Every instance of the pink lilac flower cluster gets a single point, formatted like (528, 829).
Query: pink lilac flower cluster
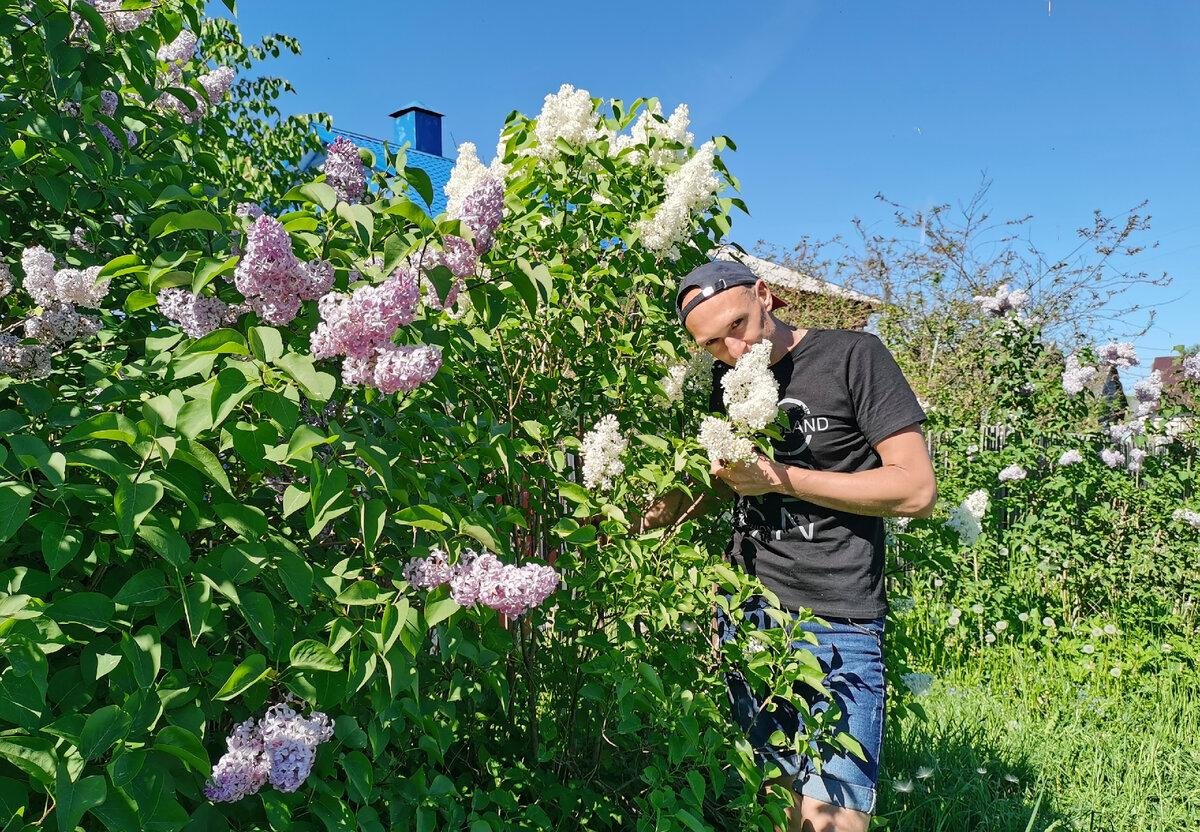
(6, 280)
(272, 279)
(429, 572)
(482, 211)
(360, 326)
(217, 83)
(1191, 367)
(1118, 354)
(427, 261)
(481, 578)
(403, 368)
(23, 360)
(108, 102)
(249, 210)
(1076, 376)
(1134, 459)
(344, 170)
(1112, 457)
(57, 291)
(114, 17)
(1186, 515)
(1070, 457)
(1147, 392)
(180, 50)
(197, 315)
(279, 749)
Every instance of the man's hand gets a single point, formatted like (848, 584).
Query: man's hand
(750, 479)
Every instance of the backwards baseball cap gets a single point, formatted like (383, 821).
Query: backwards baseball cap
(714, 277)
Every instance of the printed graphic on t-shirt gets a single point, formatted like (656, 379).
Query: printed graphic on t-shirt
(804, 426)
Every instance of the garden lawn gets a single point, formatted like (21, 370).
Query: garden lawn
(1109, 754)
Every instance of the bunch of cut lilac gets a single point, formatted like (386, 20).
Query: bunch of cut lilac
(360, 326)
(272, 279)
(481, 578)
(278, 749)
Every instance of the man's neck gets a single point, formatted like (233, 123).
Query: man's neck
(784, 339)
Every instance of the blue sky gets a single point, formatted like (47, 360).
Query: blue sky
(1067, 106)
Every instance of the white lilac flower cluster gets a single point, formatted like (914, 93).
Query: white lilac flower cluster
(751, 396)
(918, 684)
(967, 517)
(481, 578)
(197, 315)
(751, 391)
(1070, 457)
(650, 126)
(272, 279)
(1003, 301)
(343, 169)
(696, 371)
(1076, 376)
(1011, 473)
(1120, 354)
(280, 749)
(57, 324)
(602, 447)
(689, 189)
(569, 115)
(722, 443)
(1186, 515)
(468, 175)
(1148, 392)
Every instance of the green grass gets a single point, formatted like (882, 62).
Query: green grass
(1105, 755)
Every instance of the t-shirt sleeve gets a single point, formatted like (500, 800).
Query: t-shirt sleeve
(882, 399)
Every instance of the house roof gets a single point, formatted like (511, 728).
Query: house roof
(788, 278)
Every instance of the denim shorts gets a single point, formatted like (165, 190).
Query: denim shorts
(850, 651)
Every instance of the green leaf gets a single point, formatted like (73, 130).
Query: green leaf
(146, 587)
(438, 611)
(314, 384)
(112, 426)
(166, 542)
(310, 654)
(574, 492)
(91, 609)
(60, 545)
(132, 502)
(423, 517)
(317, 193)
(266, 343)
(33, 755)
(205, 461)
(54, 190)
(303, 440)
(691, 822)
(74, 799)
(362, 594)
(218, 341)
(181, 743)
(15, 500)
(246, 674)
(359, 774)
(479, 533)
(259, 613)
(294, 499)
(102, 730)
(247, 520)
(196, 220)
(361, 219)
(421, 183)
(139, 299)
(209, 269)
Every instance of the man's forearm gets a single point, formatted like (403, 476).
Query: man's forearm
(878, 492)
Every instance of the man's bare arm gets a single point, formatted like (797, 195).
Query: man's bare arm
(675, 507)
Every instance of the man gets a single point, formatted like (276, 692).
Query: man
(808, 524)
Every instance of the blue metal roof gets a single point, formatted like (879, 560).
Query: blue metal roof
(437, 167)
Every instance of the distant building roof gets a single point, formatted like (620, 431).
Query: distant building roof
(788, 278)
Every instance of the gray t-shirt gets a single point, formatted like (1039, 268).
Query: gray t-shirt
(843, 392)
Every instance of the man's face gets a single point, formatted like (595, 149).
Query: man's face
(730, 322)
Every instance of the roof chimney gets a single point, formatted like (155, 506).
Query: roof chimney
(419, 125)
